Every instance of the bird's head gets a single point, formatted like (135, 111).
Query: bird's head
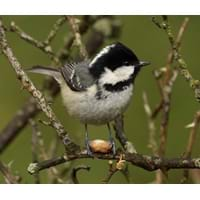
(116, 63)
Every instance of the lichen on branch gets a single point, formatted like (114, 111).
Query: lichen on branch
(38, 96)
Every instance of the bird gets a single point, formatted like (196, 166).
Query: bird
(96, 91)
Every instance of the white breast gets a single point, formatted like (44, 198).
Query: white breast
(88, 109)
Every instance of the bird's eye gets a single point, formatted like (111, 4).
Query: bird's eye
(126, 63)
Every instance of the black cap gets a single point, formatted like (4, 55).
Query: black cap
(113, 57)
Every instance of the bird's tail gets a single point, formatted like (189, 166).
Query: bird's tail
(55, 73)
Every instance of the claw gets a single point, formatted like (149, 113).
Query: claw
(89, 152)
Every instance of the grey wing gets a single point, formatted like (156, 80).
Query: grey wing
(77, 76)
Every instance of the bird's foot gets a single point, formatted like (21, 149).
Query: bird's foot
(89, 152)
(113, 146)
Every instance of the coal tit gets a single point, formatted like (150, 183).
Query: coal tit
(99, 90)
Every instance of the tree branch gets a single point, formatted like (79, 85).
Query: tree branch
(76, 169)
(166, 96)
(75, 28)
(52, 33)
(53, 172)
(165, 78)
(182, 65)
(39, 98)
(115, 167)
(17, 123)
(120, 135)
(45, 47)
(8, 176)
(149, 163)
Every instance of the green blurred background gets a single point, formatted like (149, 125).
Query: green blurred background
(151, 44)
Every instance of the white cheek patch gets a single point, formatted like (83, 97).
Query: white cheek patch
(101, 53)
(121, 74)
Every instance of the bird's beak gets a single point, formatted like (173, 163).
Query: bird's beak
(144, 63)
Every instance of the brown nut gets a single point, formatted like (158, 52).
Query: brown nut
(100, 146)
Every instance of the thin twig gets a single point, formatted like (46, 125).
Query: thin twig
(119, 130)
(40, 140)
(182, 65)
(170, 59)
(37, 135)
(45, 47)
(195, 175)
(54, 146)
(53, 173)
(151, 125)
(17, 123)
(158, 74)
(86, 23)
(167, 90)
(157, 109)
(115, 167)
(126, 173)
(29, 86)
(75, 28)
(76, 169)
(8, 176)
(52, 34)
(119, 133)
(178, 39)
(165, 87)
(191, 140)
(34, 145)
(192, 136)
(111, 171)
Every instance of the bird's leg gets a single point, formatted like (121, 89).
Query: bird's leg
(89, 152)
(111, 139)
